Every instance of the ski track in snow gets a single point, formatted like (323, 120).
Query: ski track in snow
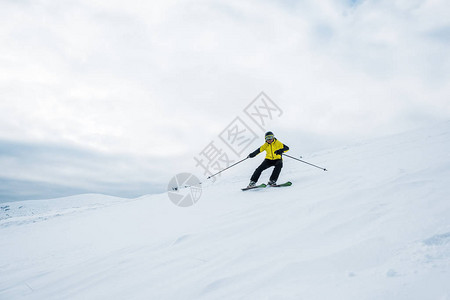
(375, 226)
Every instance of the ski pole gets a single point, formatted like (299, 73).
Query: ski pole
(227, 168)
(305, 162)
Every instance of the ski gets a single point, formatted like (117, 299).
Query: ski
(254, 187)
(265, 185)
(282, 184)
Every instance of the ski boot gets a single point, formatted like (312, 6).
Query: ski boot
(272, 183)
(251, 184)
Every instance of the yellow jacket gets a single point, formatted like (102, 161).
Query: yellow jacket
(271, 148)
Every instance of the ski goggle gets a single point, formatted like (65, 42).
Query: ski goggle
(269, 137)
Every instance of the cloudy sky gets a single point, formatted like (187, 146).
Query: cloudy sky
(116, 97)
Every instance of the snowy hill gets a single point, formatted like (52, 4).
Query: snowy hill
(375, 226)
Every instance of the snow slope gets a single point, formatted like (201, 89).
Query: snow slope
(375, 226)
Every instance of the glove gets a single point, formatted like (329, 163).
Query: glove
(279, 152)
(251, 155)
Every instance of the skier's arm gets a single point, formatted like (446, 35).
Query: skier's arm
(282, 150)
(254, 153)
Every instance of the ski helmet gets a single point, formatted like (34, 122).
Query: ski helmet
(269, 135)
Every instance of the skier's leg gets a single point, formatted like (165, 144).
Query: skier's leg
(276, 171)
(264, 165)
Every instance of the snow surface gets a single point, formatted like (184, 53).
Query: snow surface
(375, 226)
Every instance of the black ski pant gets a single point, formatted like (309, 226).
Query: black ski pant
(267, 163)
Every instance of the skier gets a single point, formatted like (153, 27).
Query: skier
(274, 148)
